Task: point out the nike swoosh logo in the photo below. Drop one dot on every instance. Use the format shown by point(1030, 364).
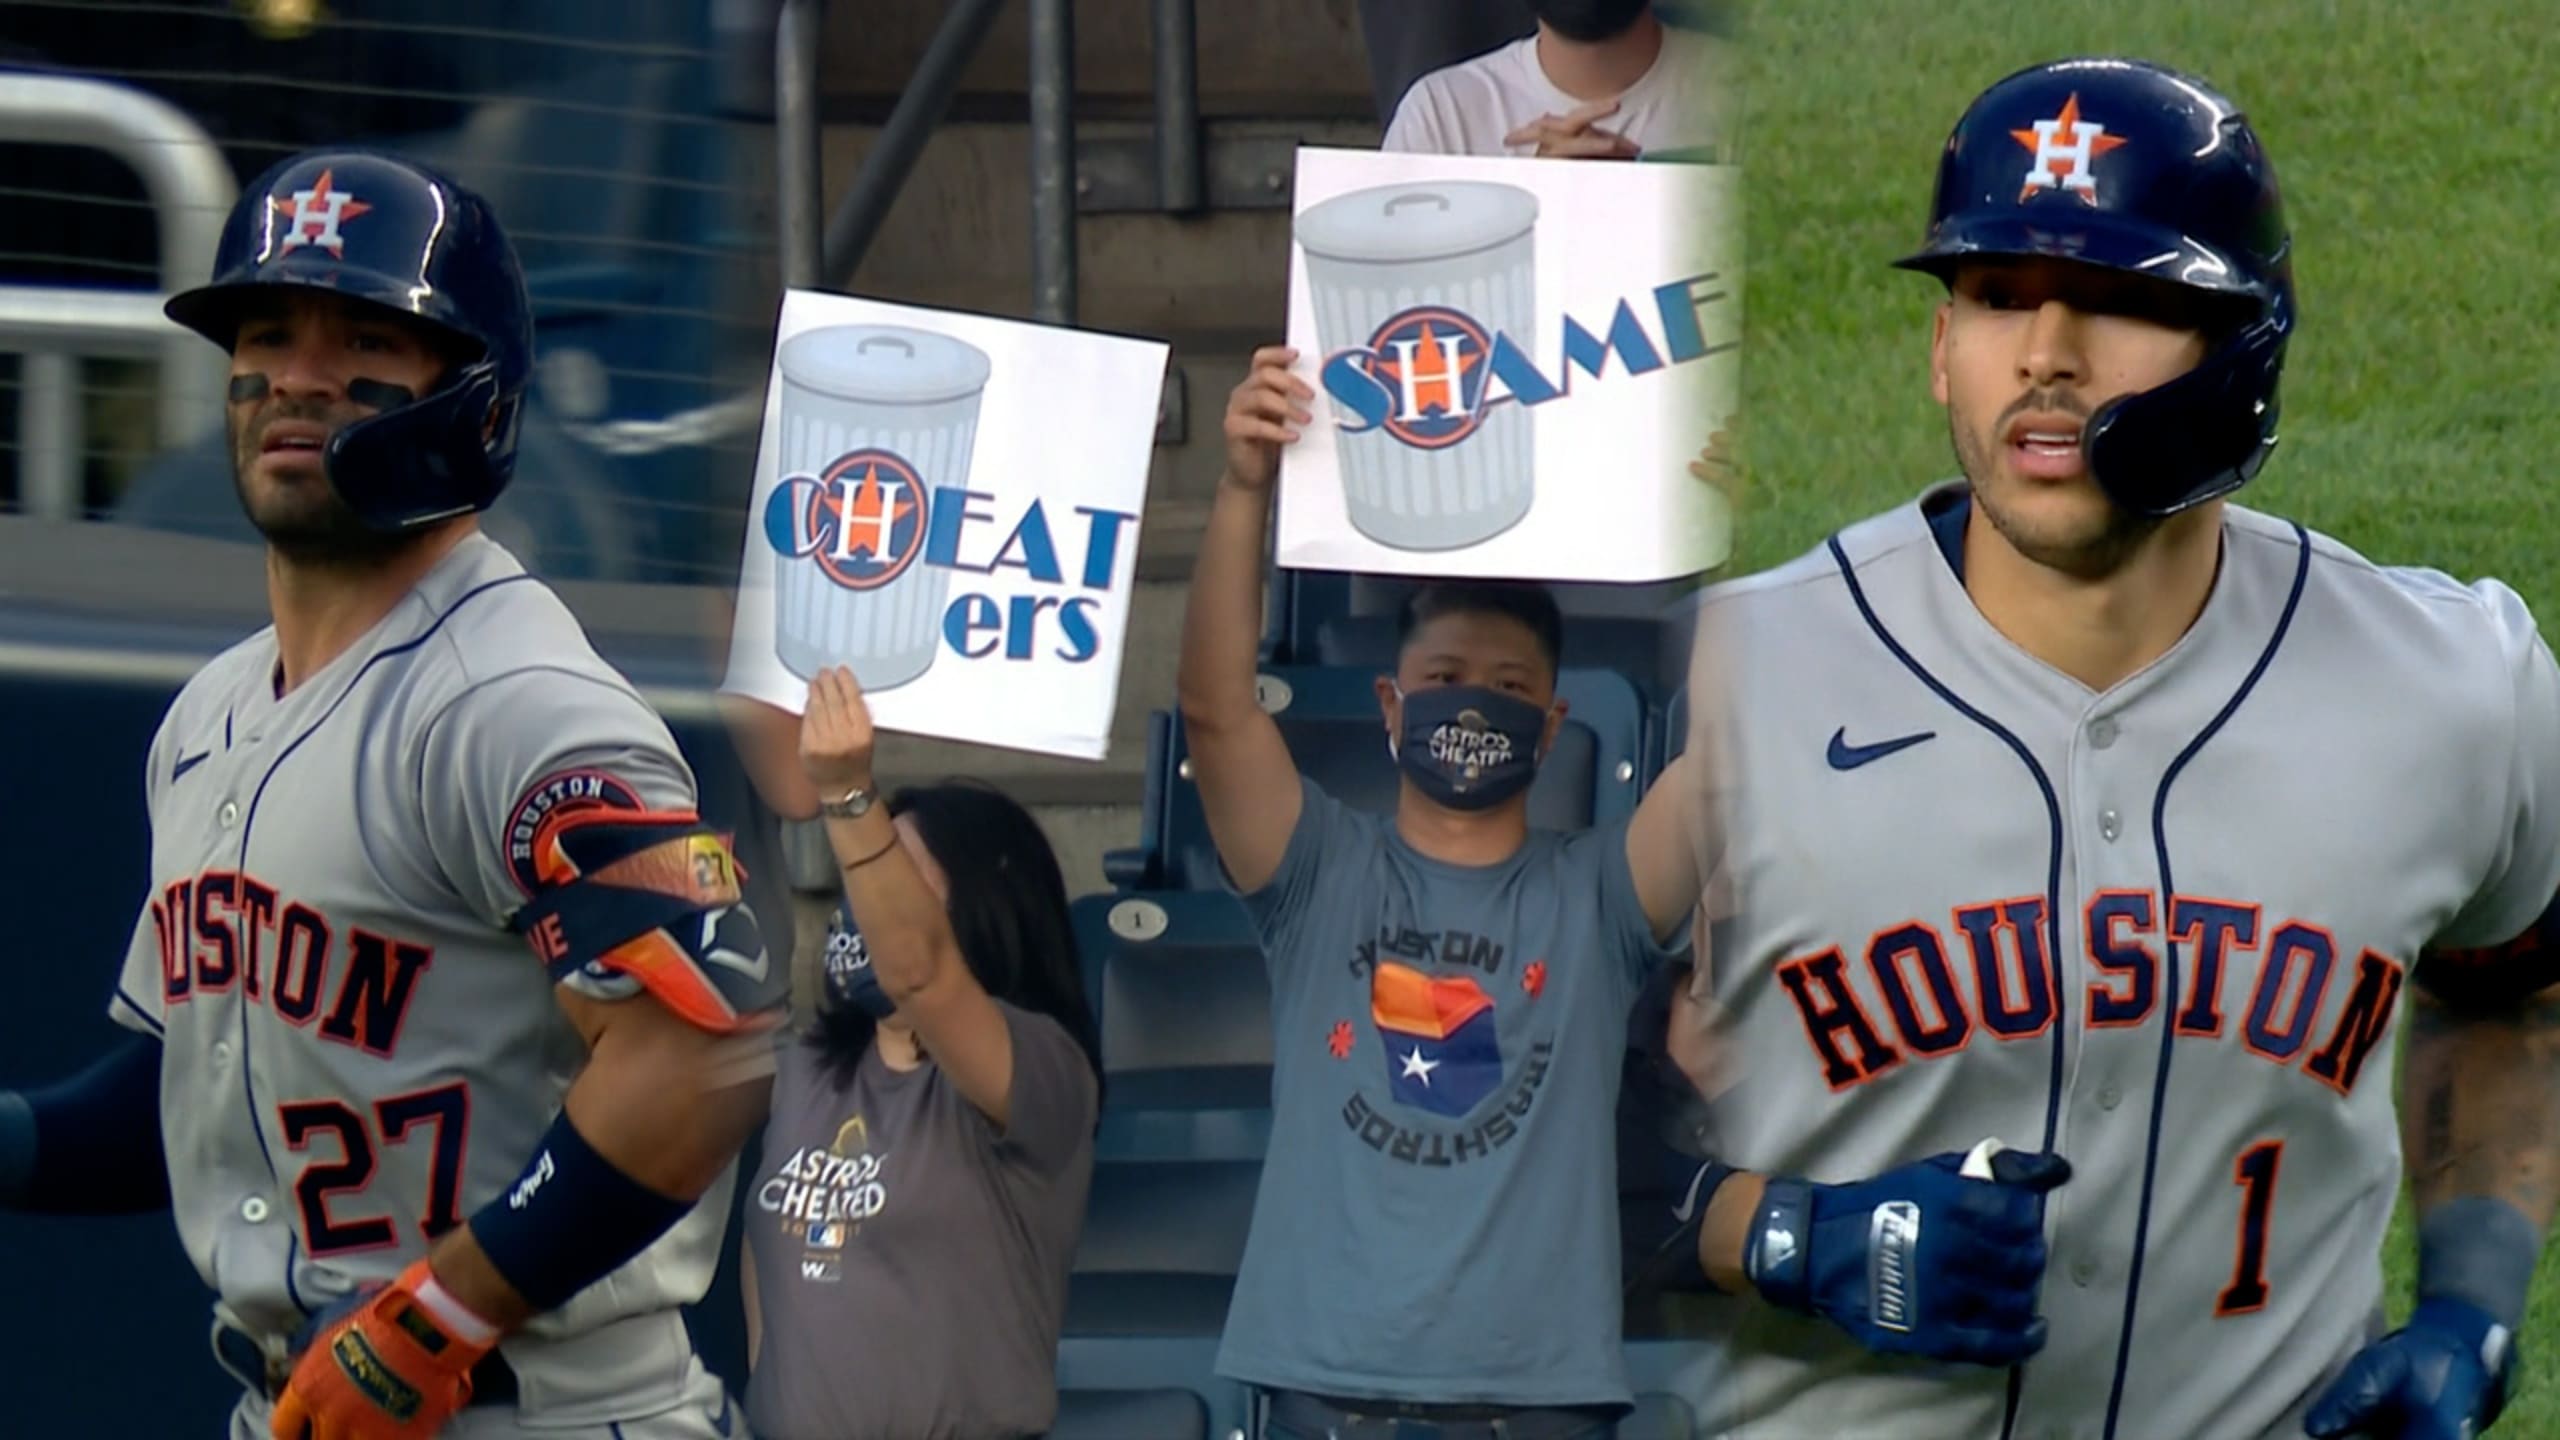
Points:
point(187, 763)
point(1687, 1209)
point(1845, 756)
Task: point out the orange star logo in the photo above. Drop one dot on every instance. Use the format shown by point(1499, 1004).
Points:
point(1534, 978)
point(869, 515)
point(314, 215)
point(1433, 380)
point(2064, 148)
point(1339, 1041)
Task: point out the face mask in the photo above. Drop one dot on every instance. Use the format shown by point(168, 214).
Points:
point(850, 980)
point(1468, 747)
point(1590, 21)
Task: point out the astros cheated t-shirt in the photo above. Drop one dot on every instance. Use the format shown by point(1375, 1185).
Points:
point(1437, 1218)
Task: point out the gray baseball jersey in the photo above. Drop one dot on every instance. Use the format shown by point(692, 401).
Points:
point(356, 1053)
point(2166, 930)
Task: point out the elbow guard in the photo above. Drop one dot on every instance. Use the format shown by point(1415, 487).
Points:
point(653, 899)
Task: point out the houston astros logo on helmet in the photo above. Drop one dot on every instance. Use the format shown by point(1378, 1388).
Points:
point(2064, 146)
point(314, 215)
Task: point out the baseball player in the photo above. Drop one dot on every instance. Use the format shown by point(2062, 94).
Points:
point(449, 1020)
point(2079, 809)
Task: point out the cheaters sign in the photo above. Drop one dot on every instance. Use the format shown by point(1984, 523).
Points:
point(949, 506)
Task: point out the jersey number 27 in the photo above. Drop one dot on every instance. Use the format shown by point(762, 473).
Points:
point(445, 1109)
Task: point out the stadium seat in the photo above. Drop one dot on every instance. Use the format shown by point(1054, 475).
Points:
point(1107, 1365)
point(1177, 982)
point(1661, 1372)
point(1659, 1416)
point(1169, 1414)
point(1329, 716)
point(1160, 1247)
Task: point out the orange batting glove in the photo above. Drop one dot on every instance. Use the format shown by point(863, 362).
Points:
point(388, 1371)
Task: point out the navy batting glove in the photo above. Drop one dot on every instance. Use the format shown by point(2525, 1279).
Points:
point(1918, 1260)
point(2442, 1376)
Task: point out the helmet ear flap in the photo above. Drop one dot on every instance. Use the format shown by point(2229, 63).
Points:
point(431, 460)
point(2212, 427)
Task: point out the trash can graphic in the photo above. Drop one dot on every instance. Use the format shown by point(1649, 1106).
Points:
point(874, 417)
point(1422, 277)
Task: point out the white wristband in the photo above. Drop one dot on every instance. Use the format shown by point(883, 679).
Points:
point(455, 1316)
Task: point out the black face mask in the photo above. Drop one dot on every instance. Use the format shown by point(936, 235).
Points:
point(850, 979)
point(1468, 747)
point(1590, 21)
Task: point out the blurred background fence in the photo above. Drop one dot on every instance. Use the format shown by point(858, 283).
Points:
point(626, 142)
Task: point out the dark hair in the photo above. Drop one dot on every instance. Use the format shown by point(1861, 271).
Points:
point(1526, 601)
point(1008, 909)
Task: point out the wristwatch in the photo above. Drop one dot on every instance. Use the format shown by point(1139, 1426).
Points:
point(851, 805)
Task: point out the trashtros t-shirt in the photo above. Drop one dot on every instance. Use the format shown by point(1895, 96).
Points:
point(1437, 1219)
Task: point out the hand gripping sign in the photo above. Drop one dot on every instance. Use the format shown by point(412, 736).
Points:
point(949, 505)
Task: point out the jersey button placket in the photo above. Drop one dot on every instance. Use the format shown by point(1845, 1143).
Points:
point(254, 1209)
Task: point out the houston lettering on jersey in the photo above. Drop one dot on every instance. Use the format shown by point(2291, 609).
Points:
point(1439, 1047)
point(1915, 993)
point(226, 928)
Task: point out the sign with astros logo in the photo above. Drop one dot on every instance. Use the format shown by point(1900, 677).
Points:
point(1478, 331)
point(912, 522)
point(862, 519)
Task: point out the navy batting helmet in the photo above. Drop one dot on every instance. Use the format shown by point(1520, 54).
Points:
point(2134, 167)
point(391, 232)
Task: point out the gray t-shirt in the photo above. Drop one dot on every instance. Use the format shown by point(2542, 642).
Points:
point(911, 1262)
point(1437, 1219)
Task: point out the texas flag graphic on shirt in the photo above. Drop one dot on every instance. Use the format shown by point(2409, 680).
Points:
point(1442, 1052)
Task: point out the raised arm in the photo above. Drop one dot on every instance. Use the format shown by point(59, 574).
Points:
point(1248, 782)
point(914, 952)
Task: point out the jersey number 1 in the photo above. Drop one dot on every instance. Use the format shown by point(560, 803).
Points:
point(446, 1110)
point(2255, 1173)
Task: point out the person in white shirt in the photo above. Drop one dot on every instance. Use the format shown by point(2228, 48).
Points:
point(1603, 79)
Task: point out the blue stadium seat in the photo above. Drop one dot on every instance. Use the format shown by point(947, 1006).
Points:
point(1089, 1364)
point(1165, 1414)
point(1661, 1372)
point(1178, 984)
point(1160, 1247)
point(1329, 717)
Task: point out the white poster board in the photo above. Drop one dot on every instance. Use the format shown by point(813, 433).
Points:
point(948, 504)
point(1515, 363)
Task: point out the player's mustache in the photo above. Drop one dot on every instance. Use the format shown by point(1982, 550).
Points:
point(317, 412)
point(2042, 402)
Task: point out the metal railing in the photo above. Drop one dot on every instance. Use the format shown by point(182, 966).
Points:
point(53, 326)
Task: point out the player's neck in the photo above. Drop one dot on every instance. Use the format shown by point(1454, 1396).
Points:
point(2098, 631)
point(321, 609)
point(1596, 70)
point(1460, 837)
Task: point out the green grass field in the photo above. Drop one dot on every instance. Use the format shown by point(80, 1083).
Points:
point(2418, 147)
